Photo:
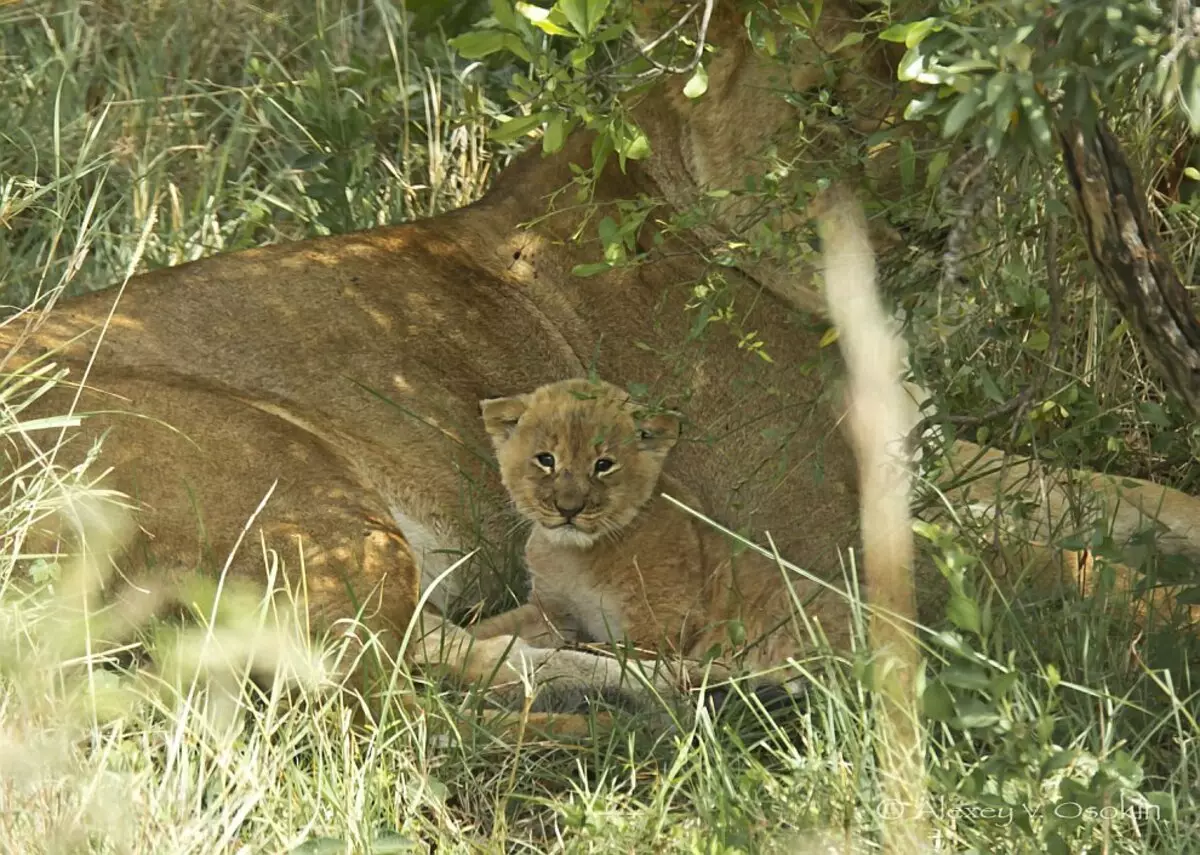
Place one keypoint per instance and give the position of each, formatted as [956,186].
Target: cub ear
[658,433]
[500,416]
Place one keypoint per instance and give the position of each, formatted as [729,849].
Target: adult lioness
[264,374]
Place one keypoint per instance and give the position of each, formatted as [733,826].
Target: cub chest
[568,589]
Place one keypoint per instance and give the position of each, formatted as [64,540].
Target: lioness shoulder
[612,560]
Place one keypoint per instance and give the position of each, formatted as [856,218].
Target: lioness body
[275,364]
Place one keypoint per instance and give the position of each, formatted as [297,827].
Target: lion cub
[612,560]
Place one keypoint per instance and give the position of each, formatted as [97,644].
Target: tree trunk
[1135,272]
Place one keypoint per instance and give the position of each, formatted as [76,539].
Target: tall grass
[211,127]
[238,124]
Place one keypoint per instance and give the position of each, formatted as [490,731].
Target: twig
[1054,287]
[1011,405]
[660,68]
[970,191]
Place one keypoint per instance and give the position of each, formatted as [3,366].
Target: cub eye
[604,464]
[545,460]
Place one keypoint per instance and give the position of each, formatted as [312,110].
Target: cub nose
[569,508]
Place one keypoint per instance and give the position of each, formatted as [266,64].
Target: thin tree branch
[659,68]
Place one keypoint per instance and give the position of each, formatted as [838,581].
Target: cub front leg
[517,674]
[531,623]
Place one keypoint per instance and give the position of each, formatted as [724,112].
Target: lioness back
[611,560]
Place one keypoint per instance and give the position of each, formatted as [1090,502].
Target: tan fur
[631,566]
[220,382]
[878,423]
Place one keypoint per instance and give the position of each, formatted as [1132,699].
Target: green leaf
[517,48]
[996,86]
[480,43]
[965,677]
[611,32]
[1125,770]
[911,33]
[610,239]
[912,66]
[549,21]
[387,844]
[849,40]
[602,147]
[908,164]
[502,11]
[796,14]
[973,713]
[581,54]
[596,11]
[583,15]
[631,143]
[1164,801]
[477,44]
[937,702]
[769,43]
[918,106]
[920,528]
[989,387]
[1019,54]
[967,66]
[1055,845]
[1189,596]
[638,147]
[1038,341]
[585,270]
[1035,115]
[961,113]
[608,231]
[556,133]
[937,165]
[1191,96]
[516,127]
[963,612]
[1002,119]
[698,84]
[1154,413]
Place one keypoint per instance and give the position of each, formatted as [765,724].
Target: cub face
[578,457]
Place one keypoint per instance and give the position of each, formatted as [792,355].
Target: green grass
[234,124]
[142,135]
